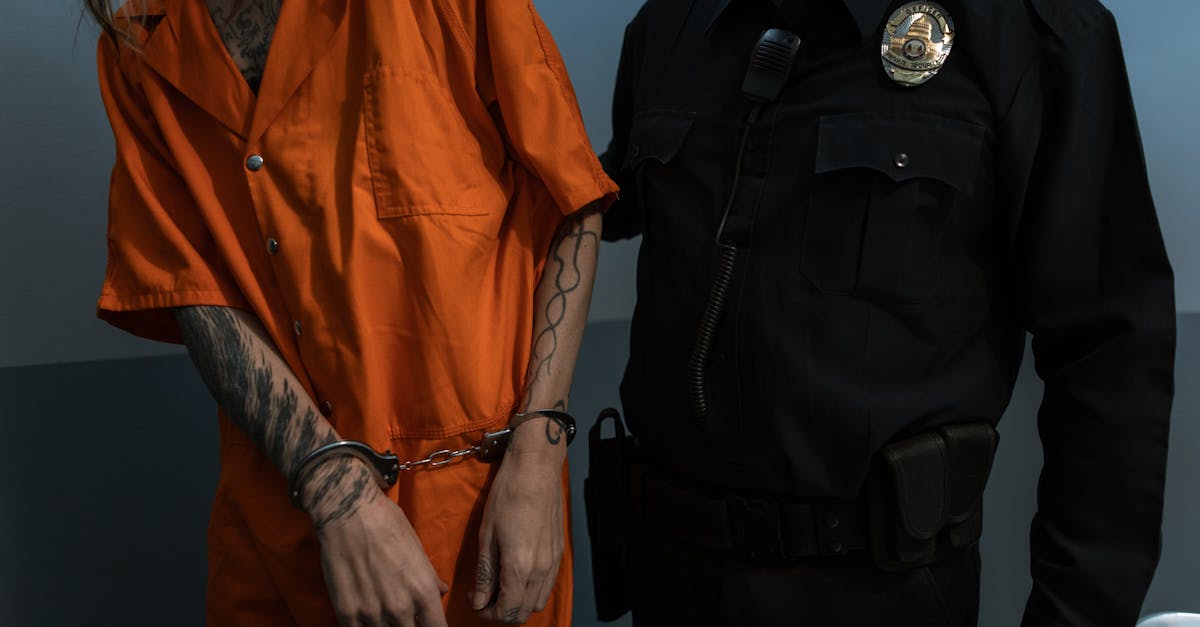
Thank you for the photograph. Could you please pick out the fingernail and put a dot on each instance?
(479, 600)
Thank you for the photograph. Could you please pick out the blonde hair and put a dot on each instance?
(102, 11)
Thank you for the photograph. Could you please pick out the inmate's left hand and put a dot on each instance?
(521, 540)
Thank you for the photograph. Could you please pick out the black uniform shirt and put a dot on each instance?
(895, 245)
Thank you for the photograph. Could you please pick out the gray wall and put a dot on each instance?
(118, 539)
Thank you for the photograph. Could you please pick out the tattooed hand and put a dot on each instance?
(522, 537)
(376, 569)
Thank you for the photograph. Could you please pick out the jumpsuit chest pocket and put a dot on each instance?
(885, 185)
(423, 159)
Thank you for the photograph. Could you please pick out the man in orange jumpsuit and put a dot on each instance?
(383, 231)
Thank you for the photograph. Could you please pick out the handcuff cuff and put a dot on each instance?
(386, 467)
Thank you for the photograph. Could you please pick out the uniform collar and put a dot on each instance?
(867, 14)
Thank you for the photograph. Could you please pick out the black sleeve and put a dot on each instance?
(1097, 293)
(623, 219)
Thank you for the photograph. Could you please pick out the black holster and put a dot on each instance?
(926, 494)
(608, 500)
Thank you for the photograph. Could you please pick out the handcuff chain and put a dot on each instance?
(440, 458)
(492, 446)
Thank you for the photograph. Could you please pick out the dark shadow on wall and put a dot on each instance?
(107, 470)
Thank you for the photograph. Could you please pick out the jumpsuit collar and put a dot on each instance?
(186, 50)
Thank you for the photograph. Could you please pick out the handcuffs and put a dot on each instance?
(386, 466)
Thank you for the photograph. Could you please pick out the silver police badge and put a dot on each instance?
(916, 42)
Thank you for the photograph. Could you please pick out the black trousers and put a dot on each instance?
(677, 584)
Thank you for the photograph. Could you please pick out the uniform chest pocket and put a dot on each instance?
(422, 157)
(884, 187)
(655, 138)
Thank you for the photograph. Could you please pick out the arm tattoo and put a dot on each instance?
(263, 403)
(554, 430)
(571, 239)
(360, 489)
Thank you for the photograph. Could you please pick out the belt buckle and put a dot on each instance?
(755, 527)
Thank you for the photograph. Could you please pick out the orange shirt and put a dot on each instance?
(384, 206)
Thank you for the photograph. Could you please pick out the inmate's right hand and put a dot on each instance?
(376, 569)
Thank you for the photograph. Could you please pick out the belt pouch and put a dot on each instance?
(970, 449)
(606, 498)
(927, 495)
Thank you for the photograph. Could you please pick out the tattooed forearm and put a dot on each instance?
(571, 266)
(249, 380)
(245, 383)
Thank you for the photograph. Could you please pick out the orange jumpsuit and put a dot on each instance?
(384, 206)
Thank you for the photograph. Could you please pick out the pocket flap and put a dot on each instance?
(656, 135)
(902, 145)
(970, 449)
(918, 467)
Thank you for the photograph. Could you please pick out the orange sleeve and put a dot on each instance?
(160, 252)
(520, 70)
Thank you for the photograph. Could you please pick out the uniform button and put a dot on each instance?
(272, 245)
(296, 326)
(254, 163)
(831, 520)
(637, 150)
(902, 160)
(835, 546)
(326, 409)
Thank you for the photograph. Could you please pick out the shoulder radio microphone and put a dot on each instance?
(770, 65)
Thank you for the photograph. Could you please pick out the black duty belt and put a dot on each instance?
(750, 527)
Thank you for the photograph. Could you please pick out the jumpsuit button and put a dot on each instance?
(296, 326)
(637, 150)
(831, 520)
(902, 160)
(835, 546)
(254, 163)
(326, 409)
(272, 245)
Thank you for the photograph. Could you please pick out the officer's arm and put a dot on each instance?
(1098, 297)
(623, 219)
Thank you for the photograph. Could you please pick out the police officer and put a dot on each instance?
(852, 212)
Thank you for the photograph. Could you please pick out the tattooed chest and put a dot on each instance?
(246, 27)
